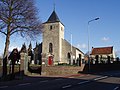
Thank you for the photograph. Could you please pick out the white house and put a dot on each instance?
(103, 53)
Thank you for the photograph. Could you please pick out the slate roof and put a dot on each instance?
(102, 50)
(53, 18)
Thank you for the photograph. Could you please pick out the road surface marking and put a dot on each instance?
(100, 78)
(44, 81)
(83, 82)
(67, 86)
(24, 84)
(58, 79)
(3, 86)
(116, 88)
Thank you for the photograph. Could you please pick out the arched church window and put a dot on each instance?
(68, 56)
(80, 56)
(50, 48)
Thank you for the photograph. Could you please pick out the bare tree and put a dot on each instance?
(20, 17)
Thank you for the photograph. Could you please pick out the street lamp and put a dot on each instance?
(89, 41)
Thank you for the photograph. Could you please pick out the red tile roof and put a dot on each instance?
(102, 50)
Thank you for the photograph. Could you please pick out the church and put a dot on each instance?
(55, 49)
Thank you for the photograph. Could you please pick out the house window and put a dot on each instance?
(50, 48)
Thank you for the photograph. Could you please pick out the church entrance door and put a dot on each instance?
(50, 60)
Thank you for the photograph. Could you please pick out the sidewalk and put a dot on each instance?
(64, 76)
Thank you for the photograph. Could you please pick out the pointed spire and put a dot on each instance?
(36, 44)
(53, 18)
(23, 49)
(30, 45)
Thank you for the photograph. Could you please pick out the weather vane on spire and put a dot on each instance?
(54, 6)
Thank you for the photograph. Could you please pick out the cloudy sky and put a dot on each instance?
(75, 15)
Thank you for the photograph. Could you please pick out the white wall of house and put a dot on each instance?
(113, 53)
(79, 52)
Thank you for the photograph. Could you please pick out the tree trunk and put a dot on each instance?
(7, 43)
(5, 56)
(4, 74)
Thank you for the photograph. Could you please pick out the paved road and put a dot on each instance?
(98, 81)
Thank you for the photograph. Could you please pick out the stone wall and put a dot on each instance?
(52, 36)
(61, 70)
(66, 48)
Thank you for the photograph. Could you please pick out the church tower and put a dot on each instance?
(53, 34)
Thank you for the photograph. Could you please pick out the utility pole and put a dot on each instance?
(89, 42)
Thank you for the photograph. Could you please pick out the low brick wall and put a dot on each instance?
(61, 70)
(34, 69)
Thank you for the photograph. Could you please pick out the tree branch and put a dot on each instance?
(3, 32)
(18, 29)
